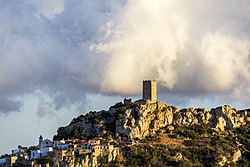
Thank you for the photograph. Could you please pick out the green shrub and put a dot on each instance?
(191, 142)
(129, 122)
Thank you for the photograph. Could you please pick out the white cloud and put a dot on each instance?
(190, 47)
(69, 48)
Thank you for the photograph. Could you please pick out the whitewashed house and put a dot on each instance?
(34, 154)
(46, 143)
(43, 148)
(3, 161)
(61, 144)
(45, 151)
(19, 150)
(42, 152)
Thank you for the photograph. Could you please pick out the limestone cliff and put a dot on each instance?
(138, 120)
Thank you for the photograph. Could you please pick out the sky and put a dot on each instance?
(62, 58)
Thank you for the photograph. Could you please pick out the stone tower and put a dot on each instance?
(40, 140)
(149, 90)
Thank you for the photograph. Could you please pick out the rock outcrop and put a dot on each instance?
(236, 156)
(138, 120)
(90, 160)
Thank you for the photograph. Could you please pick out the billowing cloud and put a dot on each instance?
(190, 47)
(67, 49)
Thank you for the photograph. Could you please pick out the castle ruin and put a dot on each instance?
(150, 90)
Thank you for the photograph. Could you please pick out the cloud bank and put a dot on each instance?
(67, 49)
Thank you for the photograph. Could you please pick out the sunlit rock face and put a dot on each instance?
(139, 120)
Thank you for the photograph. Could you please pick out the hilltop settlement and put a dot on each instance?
(145, 132)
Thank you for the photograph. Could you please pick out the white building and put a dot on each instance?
(60, 144)
(43, 149)
(3, 161)
(42, 152)
(19, 150)
(15, 151)
(46, 143)
(34, 154)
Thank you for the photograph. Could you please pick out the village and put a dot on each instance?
(57, 151)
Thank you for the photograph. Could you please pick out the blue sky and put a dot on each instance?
(24, 127)
(62, 58)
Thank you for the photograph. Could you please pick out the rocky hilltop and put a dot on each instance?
(147, 133)
(137, 120)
